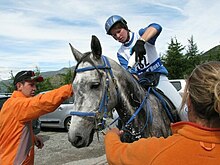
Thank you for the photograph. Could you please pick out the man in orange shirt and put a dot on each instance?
(17, 139)
(192, 143)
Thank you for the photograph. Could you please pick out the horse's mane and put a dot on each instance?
(129, 87)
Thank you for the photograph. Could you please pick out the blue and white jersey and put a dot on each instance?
(151, 61)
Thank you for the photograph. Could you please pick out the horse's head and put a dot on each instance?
(91, 83)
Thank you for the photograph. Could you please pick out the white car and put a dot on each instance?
(60, 118)
(179, 84)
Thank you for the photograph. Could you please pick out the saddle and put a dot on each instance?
(167, 104)
(151, 79)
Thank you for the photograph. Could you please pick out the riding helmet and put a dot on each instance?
(111, 21)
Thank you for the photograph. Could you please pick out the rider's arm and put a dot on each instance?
(150, 33)
(123, 62)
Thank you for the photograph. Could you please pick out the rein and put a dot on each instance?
(149, 118)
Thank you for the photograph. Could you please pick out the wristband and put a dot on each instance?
(142, 39)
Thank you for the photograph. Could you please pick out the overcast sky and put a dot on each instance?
(37, 33)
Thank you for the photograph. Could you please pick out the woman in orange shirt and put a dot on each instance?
(193, 142)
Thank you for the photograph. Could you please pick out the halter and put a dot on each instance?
(99, 118)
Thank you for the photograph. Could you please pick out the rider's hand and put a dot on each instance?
(139, 50)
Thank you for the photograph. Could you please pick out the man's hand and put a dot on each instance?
(38, 141)
(139, 50)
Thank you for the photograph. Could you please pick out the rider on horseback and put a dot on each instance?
(138, 55)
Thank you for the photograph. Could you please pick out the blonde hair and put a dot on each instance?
(203, 88)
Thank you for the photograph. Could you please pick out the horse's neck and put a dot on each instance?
(131, 95)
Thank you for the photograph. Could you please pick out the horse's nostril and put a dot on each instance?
(78, 139)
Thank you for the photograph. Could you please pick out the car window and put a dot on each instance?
(69, 101)
(177, 85)
(2, 100)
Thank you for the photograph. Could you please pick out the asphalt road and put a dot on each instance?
(58, 150)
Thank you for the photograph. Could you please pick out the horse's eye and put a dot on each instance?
(95, 85)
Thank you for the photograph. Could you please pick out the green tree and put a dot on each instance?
(10, 86)
(192, 56)
(174, 59)
(68, 76)
(192, 49)
(45, 85)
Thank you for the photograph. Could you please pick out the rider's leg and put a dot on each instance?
(170, 91)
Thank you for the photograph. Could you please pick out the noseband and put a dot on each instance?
(102, 113)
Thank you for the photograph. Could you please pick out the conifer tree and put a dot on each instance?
(174, 59)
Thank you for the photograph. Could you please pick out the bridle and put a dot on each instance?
(102, 113)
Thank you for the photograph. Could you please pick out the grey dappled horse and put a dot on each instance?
(100, 85)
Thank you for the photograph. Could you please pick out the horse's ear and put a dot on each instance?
(77, 55)
(96, 47)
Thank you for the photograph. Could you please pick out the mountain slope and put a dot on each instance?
(212, 54)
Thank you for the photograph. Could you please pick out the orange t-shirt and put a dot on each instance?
(16, 134)
(190, 144)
